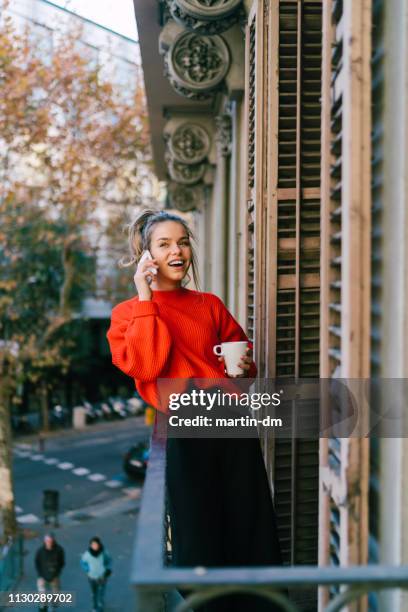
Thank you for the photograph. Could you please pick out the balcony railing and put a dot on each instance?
(157, 583)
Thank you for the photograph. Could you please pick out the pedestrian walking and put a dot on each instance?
(49, 562)
(97, 563)
(220, 504)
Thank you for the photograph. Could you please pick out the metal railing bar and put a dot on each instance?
(148, 549)
(154, 580)
(260, 575)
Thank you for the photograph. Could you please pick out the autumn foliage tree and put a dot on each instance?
(74, 156)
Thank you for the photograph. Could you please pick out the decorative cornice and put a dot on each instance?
(185, 174)
(197, 64)
(188, 150)
(209, 9)
(164, 12)
(189, 143)
(206, 16)
(186, 198)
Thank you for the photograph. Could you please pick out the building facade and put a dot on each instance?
(119, 60)
(281, 126)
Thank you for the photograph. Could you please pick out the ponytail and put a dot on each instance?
(136, 238)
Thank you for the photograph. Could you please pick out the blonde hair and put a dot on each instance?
(139, 237)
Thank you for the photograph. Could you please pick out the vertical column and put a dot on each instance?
(223, 140)
(219, 241)
(233, 214)
(209, 237)
(346, 269)
(200, 232)
(392, 300)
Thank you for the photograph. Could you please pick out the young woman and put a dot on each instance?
(220, 505)
(97, 563)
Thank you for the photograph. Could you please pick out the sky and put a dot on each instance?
(117, 15)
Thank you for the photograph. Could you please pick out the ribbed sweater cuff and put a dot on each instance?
(143, 309)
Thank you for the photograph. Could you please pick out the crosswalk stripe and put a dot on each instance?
(113, 484)
(37, 457)
(28, 518)
(51, 461)
(81, 471)
(65, 465)
(96, 477)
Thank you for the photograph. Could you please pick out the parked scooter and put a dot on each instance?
(118, 407)
(107, 411)
(59, 416)
(135, 406)
(90, 413)
(97, 408)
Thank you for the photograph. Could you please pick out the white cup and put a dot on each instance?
(232, 353)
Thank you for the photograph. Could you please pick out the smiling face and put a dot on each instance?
(170, 247)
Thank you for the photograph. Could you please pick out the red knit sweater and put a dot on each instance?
(171, 336)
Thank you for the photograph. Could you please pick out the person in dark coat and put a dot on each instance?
(49, 562)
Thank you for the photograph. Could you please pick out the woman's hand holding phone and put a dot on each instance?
(144, 276)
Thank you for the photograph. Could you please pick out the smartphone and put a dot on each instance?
(146, 255)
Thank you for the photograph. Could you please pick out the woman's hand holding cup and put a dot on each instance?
(141, 278)
(244, 363)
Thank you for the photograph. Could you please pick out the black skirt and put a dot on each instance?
(221, 511)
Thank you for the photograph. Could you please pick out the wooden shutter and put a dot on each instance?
(283, 71)
(345, 271)
(255, 178)
(293, 228)
(297, 312)
(259, 76)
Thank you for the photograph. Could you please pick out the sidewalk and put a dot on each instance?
(33, 439)
(118, 536)
(113, 520)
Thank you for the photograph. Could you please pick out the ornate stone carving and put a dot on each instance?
(208, 9)
(197, 64)
(164, 12)
(185, 198)
(189, 143)
(185, 174)
(183, 91)
(206, 16)
(223, 135)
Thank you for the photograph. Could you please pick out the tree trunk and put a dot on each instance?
(44, 406)
(69, 280)
(7, 511)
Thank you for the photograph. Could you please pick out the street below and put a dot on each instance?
(96, 498)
